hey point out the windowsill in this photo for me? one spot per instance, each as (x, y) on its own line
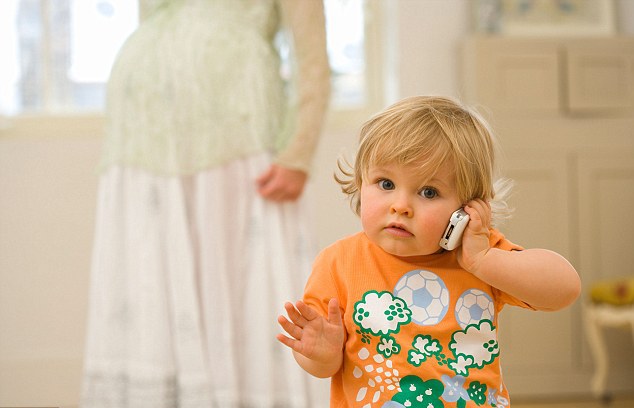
(52, 125)
(91, 123)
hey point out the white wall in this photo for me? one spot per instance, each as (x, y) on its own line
(48, 187)
(429, 35)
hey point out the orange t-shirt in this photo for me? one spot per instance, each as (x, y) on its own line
(418, 334)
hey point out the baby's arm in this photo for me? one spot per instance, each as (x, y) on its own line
(540, 277)
(317, 342)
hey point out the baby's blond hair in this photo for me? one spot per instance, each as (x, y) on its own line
(429, 131)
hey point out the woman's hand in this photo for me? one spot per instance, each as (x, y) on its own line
(281, 184)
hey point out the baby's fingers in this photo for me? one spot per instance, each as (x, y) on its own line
(306, 311)
(294, 315)
(289, 342)
(290, 328)
(480, 213)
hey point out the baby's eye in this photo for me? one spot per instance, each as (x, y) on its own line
(385, 184)
(428, 192)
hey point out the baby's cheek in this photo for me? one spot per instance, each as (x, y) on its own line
(369, 213)
(435, 223)
(434, 227)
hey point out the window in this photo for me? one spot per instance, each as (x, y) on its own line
(346, 51)
(57, 53)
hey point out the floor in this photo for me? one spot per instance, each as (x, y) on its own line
(626, 401)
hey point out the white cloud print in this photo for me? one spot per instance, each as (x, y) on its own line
(381, 313)
(478, 342)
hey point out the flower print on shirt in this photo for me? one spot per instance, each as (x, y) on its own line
(420, 297)
(381, 313)
(477, 344)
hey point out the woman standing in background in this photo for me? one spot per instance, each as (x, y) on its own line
(201, 229)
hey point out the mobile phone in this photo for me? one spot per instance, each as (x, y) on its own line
(452, 237)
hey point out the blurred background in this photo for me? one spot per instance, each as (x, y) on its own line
(555, 78)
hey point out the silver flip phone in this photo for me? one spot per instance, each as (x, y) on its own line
(453, 234)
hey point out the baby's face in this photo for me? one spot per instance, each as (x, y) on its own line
(403, 214)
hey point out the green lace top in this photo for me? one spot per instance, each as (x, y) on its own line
(198, 84)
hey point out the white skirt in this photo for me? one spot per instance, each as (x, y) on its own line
(189, 274)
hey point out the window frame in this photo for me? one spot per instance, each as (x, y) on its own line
(91, 122)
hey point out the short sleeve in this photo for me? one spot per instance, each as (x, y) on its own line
(321, 286)
(498, 240)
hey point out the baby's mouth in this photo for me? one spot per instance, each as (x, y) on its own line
(398, 230)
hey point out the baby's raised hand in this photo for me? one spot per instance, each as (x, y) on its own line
(313, 336)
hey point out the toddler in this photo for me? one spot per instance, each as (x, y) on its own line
(395, 320)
